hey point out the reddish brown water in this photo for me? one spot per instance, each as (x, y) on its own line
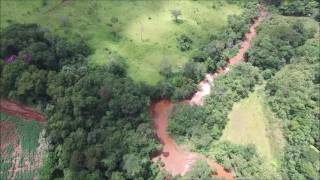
(19, 110)
(176, 160)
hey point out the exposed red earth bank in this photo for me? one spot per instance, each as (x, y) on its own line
(19, 110)
(176, 160)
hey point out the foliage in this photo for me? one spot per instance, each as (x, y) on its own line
(300, 8)
(293, 95)
(275, 45)
(189, 123)
(184, 42)
(200, 171)
(182, 84)
(176, 13)
(293, 91)
(36, 46)
(242, 160)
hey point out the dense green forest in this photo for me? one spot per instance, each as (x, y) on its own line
(99, 126)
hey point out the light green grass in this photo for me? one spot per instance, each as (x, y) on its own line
(251, 122)
(90, 18)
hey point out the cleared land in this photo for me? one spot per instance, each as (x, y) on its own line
(20, 153)
(251, 122)
(146, 28)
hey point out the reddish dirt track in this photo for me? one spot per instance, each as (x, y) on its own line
(177, 160)
(19, 110)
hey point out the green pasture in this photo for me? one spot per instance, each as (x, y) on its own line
(147, 32)
(252, 122)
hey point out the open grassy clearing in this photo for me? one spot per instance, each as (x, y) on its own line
(20, 152)
(147, 30)
(252, 122)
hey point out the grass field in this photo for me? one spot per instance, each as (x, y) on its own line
(147, 30)
(251, 122)
(20, 156)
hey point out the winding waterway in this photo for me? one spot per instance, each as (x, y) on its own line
(176, 160)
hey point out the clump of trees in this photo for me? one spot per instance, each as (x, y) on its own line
(200, 171)
(276, 43)
(184, 42)
(299, 8)
(114, 27)
(98, 123)
(243, 160)
(181, 84)
(309, 8)
(37, 47)
(176, 13)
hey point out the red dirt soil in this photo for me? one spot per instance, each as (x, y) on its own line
(176, 160)
(20, 110)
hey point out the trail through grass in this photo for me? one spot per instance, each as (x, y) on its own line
(147, 31)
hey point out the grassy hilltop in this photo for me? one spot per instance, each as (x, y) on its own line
(146, 31)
